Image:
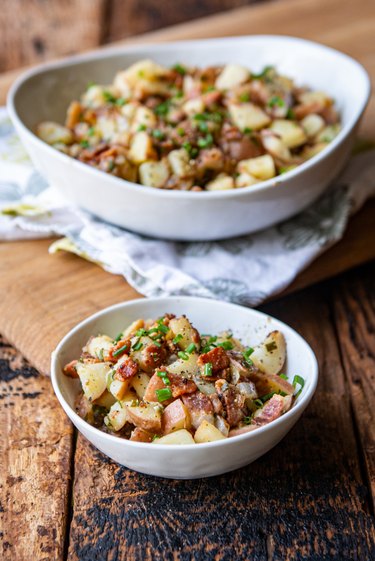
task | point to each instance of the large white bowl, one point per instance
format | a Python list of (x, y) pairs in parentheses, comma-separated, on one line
[(45, 92), (209, 316)]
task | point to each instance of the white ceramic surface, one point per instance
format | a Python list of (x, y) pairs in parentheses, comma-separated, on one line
[(45, 92), (187, 461)]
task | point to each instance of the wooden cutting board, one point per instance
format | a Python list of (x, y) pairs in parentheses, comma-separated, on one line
[(43, 296)]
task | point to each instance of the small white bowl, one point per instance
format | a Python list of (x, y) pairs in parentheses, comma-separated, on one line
[(209, 316), (44, 94)]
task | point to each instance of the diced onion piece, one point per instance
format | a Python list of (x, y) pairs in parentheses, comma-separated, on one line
[(222, 425), (141, 148), (52, 133), (222, 182), (262, 167), (153, 174), (206, 432), (290, 132), (248, 116), (312, 124), (231, 76), (179, 162)]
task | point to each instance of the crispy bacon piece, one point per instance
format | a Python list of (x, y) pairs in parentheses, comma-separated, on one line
[(74, 114), (108, 356), (178, 386), (70, 369), (126, 369), (200, 408), (271, 411), (232, 400), (153, 357), (217, 357)]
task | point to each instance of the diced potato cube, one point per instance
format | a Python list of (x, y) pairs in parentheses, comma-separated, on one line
[(118, 388), (140, 383), (328, 133), (179, 162), (231, 76), (185, 368), (269, 356), (117, 417), (276, 147), (155, 383), (146, 416), (248, 116), (53, 133), (141, 148), (129, 110), (312, 124), (315, 97), (206, 432), (178, 437), (97, 346), (311, 151), (145, 69), (94, 96), (153, 174), (245, 180), (143, 117), (93, 378), (262, 167), (185, 332), (193, 106), (105, 400), (175, 417), (290, 132), (222, 182)]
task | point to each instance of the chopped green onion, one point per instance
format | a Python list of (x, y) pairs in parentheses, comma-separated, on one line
[(179, 68), (206, 141), (141, 332), (181, 131), (91, 131), (85, 143), (216, 117), (258, 403), (247, 420), (202, 126), (249, 351), (90, 85), (120, 350), (137, 346), (100, 354), (162, 109), (110, 98), (164, 377), (290, 114), (300, 381), (161, 327), (158, 134), (153, 330), (226, 345), (141, 128), (276, 101), (191, 348), (179, 94), (120, 101), (247, 130), (283, 376), (163, 394), (212, 339), (263, 73), (177, 339), (157, 343), (118, 337), (245, 97), (207, 371), (155, 437), (188, 147), (183, 355)]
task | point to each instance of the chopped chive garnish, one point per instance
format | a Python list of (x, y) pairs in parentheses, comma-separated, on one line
[(137, 345), (164, 377), (247, 130), (206, 141), (90, 85), (157, 343), (141, 332), (162, 109), (100, 354), (300, 381), (110, 98), (290, 114), (276, 101), (163, 328), (120, 350), (118, 337), (226, 345), (249, 351), (180, 131), (258, 402), (179, 68), (120, 101), (247, 420), (177, 339), (202, 126), (183, 355), (91, 131), (155, 437), (158, 134), (245, 97), (141, 128), (283, 376), (263, 73), (191, 348), (163, 394), (153, 330), (207, 371), (85, 143)]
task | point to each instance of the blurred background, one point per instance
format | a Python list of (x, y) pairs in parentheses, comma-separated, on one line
[(33, 31)]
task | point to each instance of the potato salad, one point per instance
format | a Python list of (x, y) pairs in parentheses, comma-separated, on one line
[(161, 381), (184, 128)]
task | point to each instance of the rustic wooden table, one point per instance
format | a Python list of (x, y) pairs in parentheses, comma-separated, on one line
[(312, 497)]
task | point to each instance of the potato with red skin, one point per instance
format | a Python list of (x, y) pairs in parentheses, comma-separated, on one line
[(200, 408), (149, 356), (70, 369), (175, 416), (140, 435), (178, 386), (155, 383), (146, 416), (272, 409)]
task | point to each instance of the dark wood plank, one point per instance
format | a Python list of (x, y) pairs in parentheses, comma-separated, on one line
[(303, 500), (354, 309), (35, 463)]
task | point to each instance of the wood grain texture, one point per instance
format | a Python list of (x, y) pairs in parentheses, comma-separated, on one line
[(33, 31), (303, 500), (35, 463), (354, 309)]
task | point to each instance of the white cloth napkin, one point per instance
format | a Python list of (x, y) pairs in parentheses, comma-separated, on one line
[(245, 270)]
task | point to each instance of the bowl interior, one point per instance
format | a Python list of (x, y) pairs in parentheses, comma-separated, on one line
[(46, 92), (208, 316)]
